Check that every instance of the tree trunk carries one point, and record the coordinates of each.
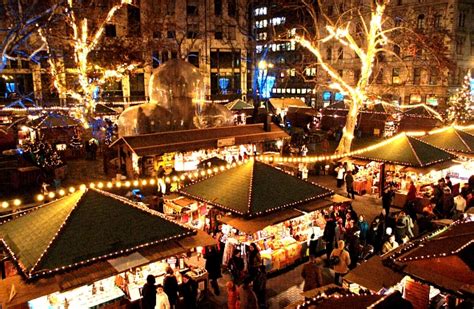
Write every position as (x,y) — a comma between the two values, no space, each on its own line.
(348,131)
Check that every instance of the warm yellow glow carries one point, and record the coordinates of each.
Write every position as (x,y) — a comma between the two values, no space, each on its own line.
(5,205)
(83,187)
(109,185)
(16,202)
(51,194)
(62,192)
(135,183)
(144,182)
(152,181)
(40,197)
(72,189)
(118,184)
(92,185)
(100,185)
(127,184)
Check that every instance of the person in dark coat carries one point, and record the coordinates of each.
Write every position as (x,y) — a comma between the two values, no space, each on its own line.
(236,266)
(213,267)
(254,260)
(170,286)
(376,232)
(313,245)
(329,234)
(363,228)
(447,203)
(387,197)
(350,185)
(149,293)
(312,274)
(260,287)
(189,291)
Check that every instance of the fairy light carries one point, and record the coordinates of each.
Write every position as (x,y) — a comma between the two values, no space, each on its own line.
(5,205)
(40,197)
(83,187)
(371,46)
(62,192)
(16,202)
(109,185)
(72,190)
(51,194)
(100,185)
(92,185)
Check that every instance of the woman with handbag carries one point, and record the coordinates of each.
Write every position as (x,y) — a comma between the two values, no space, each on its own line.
(340,260)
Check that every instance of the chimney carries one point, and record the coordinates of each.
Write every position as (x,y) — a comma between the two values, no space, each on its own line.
(267,125)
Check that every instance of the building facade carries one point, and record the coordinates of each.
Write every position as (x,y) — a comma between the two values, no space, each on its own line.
(424,61)
(207,33)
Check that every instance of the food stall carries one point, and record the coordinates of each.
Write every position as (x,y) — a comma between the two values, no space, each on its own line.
(419,269)
(406,158)
(261,204)
(78,255)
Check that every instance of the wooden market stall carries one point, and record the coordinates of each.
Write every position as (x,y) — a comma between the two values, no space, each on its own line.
(88,249)
(451,139)
(443,259)
(334,116)
(140,154)
(402,156)
(420,118)
(54,128)
(267,206)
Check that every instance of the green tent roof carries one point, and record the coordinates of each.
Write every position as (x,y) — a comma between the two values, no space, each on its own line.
(238,105)
(408,151)
(451,139)
(81,228)
(253,189)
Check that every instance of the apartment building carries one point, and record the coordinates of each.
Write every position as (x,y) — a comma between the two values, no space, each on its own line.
(424,62)
(210,34)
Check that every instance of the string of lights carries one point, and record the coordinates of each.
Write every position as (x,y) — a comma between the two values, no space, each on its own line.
(193,175)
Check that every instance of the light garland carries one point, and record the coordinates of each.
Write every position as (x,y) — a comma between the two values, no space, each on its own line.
(262,158)
(32,273)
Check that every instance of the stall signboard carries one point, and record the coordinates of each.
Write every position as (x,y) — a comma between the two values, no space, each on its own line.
(226,142)
(417,293)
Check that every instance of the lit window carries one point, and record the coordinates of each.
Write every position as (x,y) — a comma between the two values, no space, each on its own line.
(303,91)
(298,90)
(258,49)
(261,11)
(293,90)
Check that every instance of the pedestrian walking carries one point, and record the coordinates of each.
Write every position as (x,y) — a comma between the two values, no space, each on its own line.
(213,267)
(340,170)
(254,260)
(350,185)
(329,234)
(312,274)
(341,261)
(387,196)
(260,287)
(363,228)
(236,266)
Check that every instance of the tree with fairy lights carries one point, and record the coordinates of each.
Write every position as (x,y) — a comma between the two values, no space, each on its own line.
(369,33)
(461,103)
(80,48)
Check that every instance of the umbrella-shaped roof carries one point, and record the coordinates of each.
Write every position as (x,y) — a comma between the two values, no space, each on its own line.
(253,189)
(238,105)
(422,111)
(383,108)
(451,139)
(406,150)
(444,259)
(53,120)
(341,105)
(84,227)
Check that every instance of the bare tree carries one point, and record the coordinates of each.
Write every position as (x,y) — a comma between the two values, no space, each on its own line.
(83,37)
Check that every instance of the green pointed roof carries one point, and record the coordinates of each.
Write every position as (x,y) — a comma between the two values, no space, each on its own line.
(81,228)
(451,139)
(253,189)
(406,150)
(238,105)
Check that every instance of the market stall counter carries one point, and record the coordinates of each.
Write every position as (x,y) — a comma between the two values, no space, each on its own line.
(51,268)
(254,209)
